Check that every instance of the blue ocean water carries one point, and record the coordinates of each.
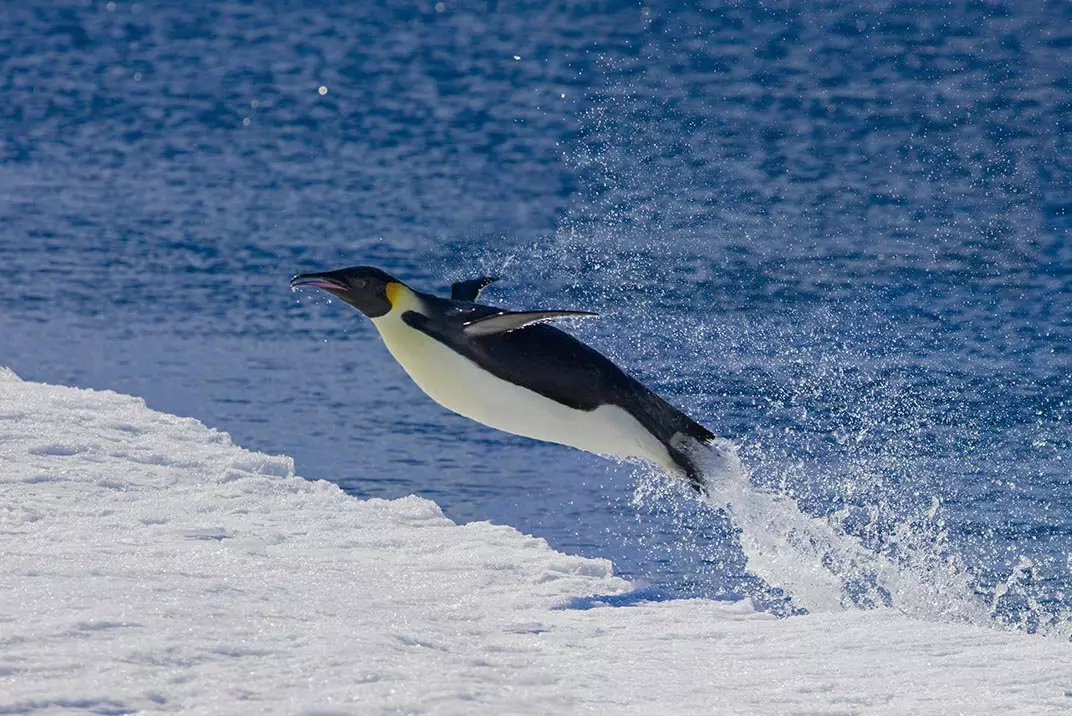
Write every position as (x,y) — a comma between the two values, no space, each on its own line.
(837,234)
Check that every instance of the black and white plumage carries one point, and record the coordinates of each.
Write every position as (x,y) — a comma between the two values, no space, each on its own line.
(513,371)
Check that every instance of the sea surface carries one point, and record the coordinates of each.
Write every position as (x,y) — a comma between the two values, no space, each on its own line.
(836,234)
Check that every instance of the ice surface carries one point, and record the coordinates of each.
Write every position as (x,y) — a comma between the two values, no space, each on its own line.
(150,565)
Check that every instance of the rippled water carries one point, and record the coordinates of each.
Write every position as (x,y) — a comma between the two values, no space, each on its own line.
(838,235)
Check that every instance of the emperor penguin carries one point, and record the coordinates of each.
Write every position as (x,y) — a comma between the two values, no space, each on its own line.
(512,371)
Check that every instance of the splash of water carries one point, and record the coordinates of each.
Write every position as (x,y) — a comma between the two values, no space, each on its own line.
(825,569)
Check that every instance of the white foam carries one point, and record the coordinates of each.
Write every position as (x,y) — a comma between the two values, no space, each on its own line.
(825,569)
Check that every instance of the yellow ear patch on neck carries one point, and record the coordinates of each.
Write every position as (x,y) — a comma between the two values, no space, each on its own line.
(395,292)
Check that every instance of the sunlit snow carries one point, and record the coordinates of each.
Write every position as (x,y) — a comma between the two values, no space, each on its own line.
(149,565)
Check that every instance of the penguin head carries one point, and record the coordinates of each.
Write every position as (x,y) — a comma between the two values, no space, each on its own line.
(363,287)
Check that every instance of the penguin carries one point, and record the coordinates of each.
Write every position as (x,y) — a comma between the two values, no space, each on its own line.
(513,371)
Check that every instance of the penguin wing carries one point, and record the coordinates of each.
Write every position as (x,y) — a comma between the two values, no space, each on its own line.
(512,320)
(470,290)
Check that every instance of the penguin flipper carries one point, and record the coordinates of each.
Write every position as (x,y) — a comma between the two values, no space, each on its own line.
(512,320)
(470,290)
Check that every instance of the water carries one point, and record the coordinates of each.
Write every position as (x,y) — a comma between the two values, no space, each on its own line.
(837,235)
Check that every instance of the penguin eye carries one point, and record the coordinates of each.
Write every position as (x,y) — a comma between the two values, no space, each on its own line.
(358,283)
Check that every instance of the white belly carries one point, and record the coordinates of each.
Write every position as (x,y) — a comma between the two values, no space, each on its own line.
(460,385)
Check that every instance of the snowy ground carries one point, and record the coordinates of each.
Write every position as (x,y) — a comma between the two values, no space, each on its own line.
(150,566)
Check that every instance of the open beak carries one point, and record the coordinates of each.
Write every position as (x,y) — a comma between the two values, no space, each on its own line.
(316,280)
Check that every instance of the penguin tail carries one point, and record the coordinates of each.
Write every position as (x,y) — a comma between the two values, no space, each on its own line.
(692,450)
(708,466)
(707,462)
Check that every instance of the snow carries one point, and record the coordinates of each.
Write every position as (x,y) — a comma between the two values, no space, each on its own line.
(149,565)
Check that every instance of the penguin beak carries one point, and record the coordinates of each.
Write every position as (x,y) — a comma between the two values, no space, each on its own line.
(316,280)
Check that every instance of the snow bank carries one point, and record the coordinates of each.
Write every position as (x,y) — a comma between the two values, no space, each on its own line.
(150,565)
